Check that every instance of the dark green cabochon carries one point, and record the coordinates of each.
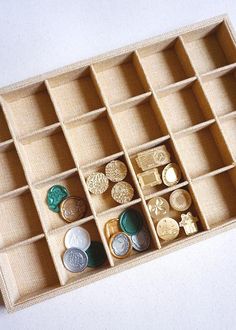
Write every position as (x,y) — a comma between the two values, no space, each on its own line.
(96,254)
(131,221)
(56,194)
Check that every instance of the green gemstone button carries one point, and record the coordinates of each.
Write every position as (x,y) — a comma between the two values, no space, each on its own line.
(131,221)
(56,194)
(96,254)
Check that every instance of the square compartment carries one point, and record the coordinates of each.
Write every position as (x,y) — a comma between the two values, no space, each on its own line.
(47,155)
(119,79)
(75,94)
(221,93)
(138,123)
(166,63)
(73,184)
(173,159)
(216,196)
(19,219)
(92,140)
(229,131)
(31,109)
(58,247)
(28,271)
(202,151)
(211,48)
(103,202)
(11,174)
(4,130)
(114,214)
(185,107)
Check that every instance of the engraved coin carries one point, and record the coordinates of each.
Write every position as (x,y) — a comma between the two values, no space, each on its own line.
(97,183)
(73,208)
(116,171)
(131,221)
(77,237)
(158,207)
(120,245)
(171,174)
(180,200)
(111,227)
(56,194)
(122,192)
(96,254)
(75,260)
(141,240)
(167,229)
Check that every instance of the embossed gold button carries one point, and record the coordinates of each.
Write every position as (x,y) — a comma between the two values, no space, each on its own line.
(122,192)
(171,174)
(158,207)
(149,178)
(167,229)
(154,157)
(180,200)
(73,209)
(189,223)
(111,227)
(97,183)
(116,171)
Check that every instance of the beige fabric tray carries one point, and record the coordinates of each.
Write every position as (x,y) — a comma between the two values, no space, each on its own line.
(177,89)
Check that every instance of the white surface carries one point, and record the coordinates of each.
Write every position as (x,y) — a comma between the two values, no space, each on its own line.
(194,288)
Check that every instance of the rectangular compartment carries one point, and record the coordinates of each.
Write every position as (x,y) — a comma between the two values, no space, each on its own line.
(138,122)
(19,219)
(216,195)
(114,214)
(58,247)
(173,159)
(203,151)
(211,47)
(220,91)
(119,79)
(103,202)
(229,130)
(185,107)
(46,155)
(30,109)
(11,172)
(72,183)
(75,93)
(93,139)
(166,63)
(4,130)
(28,271)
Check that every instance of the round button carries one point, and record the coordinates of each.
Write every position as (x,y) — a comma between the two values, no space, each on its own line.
(116,171)
(77,237)
(73,209)
(96,254)
(180,200)
(131,221)
(97,183)
(167,229)
(158,207)
(120,245)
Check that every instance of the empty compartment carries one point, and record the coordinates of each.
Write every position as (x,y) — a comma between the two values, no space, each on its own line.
(114,214)
(173,158)
(30,109)
(11,172)
(119,78)
(93,139)
(203,151)
(4,130)
(166,63)
(229,130)
(58,247)
(72,183)
(139,122)
(211,47)
(28,271)
(103,202)
(46,155)
(185,107)
(75,93)
(221,93)
(216,196)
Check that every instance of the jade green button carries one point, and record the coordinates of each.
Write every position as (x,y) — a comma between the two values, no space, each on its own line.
(96,254)
(131,221)
(56,194)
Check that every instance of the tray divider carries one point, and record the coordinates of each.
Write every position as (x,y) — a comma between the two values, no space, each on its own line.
(185,172)
(81,176)
(130,167)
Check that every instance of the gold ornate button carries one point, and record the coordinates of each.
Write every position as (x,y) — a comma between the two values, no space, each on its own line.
(116,171)
(180,200)
(97,183)
(171,174)
(149,178)
(73,209)
(111,227)
(167,229)
(189,223)
(122,192)
(154,157)
(158,207)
